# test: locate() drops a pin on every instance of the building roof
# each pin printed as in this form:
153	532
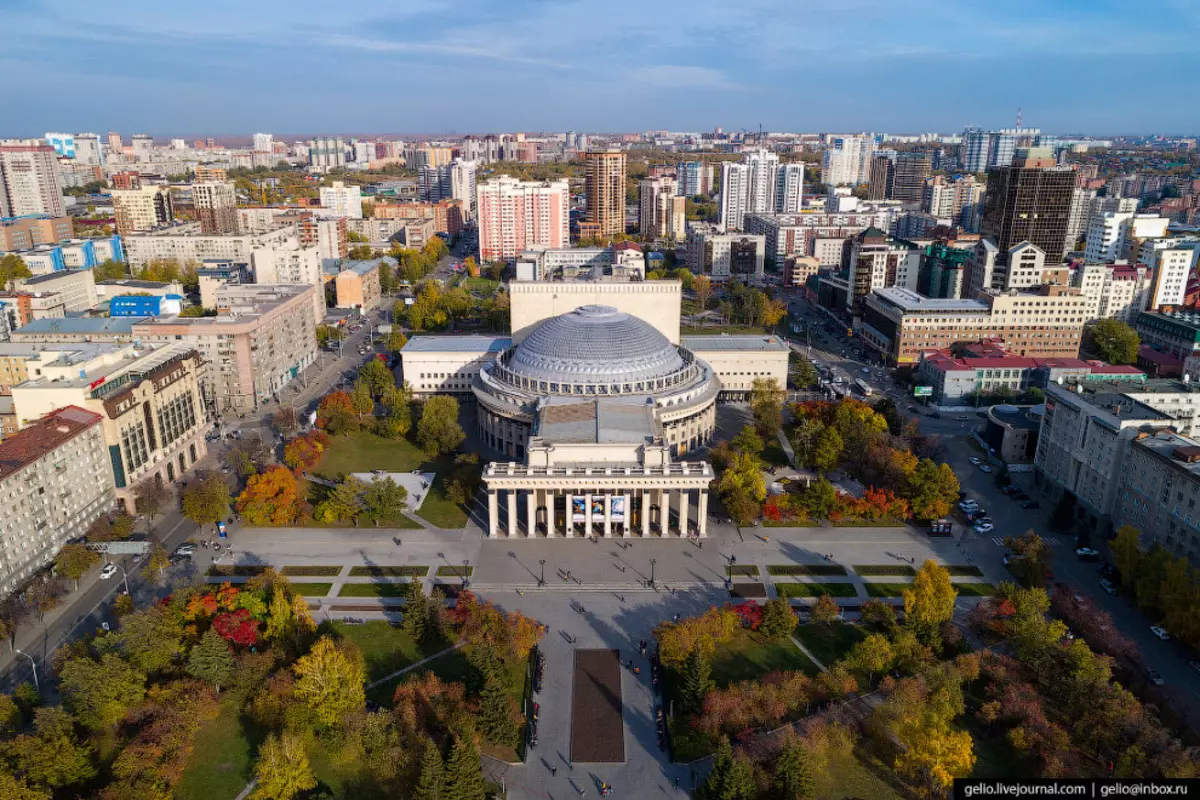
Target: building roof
134	283
607	421
50	277
908	300
1026	417
458	344
363	267
1115	369
732	342
1148	353
43	437
1180	451
81	325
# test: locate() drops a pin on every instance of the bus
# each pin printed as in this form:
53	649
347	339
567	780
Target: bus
864	387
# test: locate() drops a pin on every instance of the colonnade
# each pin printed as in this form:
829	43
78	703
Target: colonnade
636	511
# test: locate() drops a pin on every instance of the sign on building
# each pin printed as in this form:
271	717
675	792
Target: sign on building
922	391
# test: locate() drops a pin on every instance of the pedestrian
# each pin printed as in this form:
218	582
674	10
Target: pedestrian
676	781
554	771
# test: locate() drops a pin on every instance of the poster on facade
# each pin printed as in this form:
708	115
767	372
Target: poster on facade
578	509
598	508
618	509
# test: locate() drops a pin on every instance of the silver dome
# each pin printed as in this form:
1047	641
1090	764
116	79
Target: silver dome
595	344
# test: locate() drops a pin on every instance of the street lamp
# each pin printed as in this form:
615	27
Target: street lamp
653	561
466	569
542	580
33	664
124	575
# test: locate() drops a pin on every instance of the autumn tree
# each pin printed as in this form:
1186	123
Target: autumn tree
247	456
12	269
283	770
932	490
778	619
396	340
343	502
151	496
286	421
74	560
748	441
52	757
1114	341
704	633
329	680
211	660
361	399
825	611
151	640
741	488
871	656
1127	553
336	414
269	498
438	430
384	499
206	501
99	693
157	563
1030	558
697	681
702	286
827	450
766	404
930	601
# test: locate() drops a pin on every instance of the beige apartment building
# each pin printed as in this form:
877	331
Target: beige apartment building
23	361
358	285
216	206
142	209
605	191
1159	491
261	339
54	482
185	243
1047	323
25	233
151	405
209	174
76	287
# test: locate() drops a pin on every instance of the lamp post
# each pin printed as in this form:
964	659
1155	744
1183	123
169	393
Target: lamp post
466	572
542	579
653	561
124	575
32	664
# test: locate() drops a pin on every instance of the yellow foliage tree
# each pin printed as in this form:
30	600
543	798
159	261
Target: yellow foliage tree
676	640
930	601
330	681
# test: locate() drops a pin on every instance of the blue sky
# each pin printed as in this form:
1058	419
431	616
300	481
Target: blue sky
288	66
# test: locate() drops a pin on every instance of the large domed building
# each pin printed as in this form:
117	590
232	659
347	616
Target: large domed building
594	403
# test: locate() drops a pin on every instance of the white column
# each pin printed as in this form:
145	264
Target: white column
702	514
683	512
512	512
587	514
493	513
608	516
549	495
570	526
628	524
664	510
645	513
531	513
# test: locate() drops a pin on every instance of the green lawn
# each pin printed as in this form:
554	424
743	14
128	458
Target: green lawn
829	642
773	455
311	589
975	589
484	286
385	571
855	778
964	570
311	572
222	760
362	452
372	590
816	589
742	569
885	569
805	569
887	589
385	648
750	655
454	571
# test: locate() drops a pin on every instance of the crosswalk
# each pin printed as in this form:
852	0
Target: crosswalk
1054	541
996	540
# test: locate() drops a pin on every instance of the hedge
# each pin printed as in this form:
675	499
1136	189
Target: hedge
805	569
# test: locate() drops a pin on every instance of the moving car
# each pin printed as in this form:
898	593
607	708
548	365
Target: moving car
1107	586
985	468
962	418
108	571
984	527
1160	632
976	460
185	550
1087	554
1031	504
1154	676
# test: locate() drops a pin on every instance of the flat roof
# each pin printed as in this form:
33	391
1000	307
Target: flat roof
733	342
1173	448
52	276
458	344
909	300
135	283
42	437
82	325
605	421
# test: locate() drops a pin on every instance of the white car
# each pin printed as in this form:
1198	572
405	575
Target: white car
984	468
1160	632
108	571
1154	676
984	527
976	460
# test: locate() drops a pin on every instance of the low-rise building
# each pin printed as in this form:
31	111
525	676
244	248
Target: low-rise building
55	480
357	283
447	215
260	340
1174	332
26	233
107	290
75	329
72	254
1159	491
961	380
76	287
725	256
1012	432
798	269
151	405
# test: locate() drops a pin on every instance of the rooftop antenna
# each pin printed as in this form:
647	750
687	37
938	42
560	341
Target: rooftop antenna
1018	119
760	133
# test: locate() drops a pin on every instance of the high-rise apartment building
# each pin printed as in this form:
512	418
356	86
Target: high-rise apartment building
326	153
1082	201
263	143
1116	235
142	209
27	232
290	264
661	212
909	173
876	260
517	215
63	144
605	191
341	200
789	188
55	480
959	200
759	185
88	151
1029	201
30	182
453	181
879	179
694	178
216	206
143	147
982	150
847	160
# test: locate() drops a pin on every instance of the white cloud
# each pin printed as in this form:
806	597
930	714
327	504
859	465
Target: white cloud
432	48
678	76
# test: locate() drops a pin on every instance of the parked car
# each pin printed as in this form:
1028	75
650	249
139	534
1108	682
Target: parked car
108	571
1107	586
984	527
1087	554
185	550
962	418
1031	504
1160	632
976	460
985	468
1154	676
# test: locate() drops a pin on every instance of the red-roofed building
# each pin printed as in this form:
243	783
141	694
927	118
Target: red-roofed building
1158	364
55	480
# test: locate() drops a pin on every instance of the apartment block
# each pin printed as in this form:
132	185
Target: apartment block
1176	333
143	209
447	215
357	284
340	200
847	160
76	287
694	178
184	244
604	189
876	260
960	200
661	211
55	481
292	265
261	339
517	215
24	233
1159	490
1029	201
1115	291
216	206
30	181
207	173
802	234
724	255
151	406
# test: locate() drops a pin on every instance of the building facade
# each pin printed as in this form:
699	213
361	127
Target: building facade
216	207
517	215
725	255
1029	201
30	181
661	211
24	233
1159	491
605	190
340	200
142	209
357	284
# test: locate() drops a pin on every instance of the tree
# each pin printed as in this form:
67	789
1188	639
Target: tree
827	450
344	501
930	601
825	611
360	397
416	610
329	333
1127	553
871	655
795	777
286	422
269	498
330	681
74	560
110	529
151	640
438	430
707	632
702	286
52	757
729	779
471	266
766	404
498	714
1030	559
14	788
206	502
237	626
697	681
464	772
99	693
304	452
110	271
44	596
377	377
431	776
247	456
385	499
741	487
283	770
748	441
1115	342
336	414
211	660
932	490
158	562
396	340
12	268
778	619
150	496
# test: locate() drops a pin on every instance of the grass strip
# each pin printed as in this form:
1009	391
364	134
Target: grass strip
885	569
311	572
372	590
805	569
454	572
742	569
887	589
375	571
962	570
236	570
975	589
816	589
311	589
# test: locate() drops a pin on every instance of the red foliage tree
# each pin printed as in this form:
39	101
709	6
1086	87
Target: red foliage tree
751	614
303	452
237	627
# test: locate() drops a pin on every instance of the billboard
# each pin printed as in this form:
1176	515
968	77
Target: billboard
578	509
922	391
618	508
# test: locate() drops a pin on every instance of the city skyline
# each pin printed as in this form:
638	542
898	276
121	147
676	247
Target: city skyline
225	69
